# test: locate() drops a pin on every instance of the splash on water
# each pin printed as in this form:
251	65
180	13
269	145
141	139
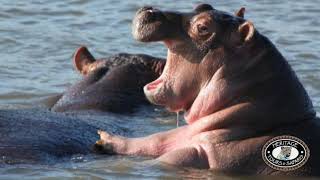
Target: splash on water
178	118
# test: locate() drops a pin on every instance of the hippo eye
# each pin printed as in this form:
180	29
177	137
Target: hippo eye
202	29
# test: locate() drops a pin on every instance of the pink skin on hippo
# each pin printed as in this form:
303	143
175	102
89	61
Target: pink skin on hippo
236	88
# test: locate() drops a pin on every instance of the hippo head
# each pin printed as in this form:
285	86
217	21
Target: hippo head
111	84
199	44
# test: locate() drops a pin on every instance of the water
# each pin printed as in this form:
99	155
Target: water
38	38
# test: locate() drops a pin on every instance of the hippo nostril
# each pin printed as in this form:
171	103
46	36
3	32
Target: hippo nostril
145	8
150	15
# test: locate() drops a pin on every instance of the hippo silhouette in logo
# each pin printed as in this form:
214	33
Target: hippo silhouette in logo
284	153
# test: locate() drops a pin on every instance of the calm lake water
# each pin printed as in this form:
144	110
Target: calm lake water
38	38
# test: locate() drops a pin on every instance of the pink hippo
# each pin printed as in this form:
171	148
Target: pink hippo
235	87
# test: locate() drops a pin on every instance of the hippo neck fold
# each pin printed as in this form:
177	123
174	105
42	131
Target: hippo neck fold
259	78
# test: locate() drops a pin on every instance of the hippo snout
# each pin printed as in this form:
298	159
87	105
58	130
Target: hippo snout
151	24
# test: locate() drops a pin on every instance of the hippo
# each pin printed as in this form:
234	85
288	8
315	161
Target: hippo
236	89
113	84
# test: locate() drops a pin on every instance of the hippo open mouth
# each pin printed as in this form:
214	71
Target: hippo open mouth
189	38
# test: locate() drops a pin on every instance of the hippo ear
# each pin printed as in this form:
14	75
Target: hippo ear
246	31
82	58
240	12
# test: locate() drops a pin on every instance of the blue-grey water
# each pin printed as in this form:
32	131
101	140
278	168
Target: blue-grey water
38	38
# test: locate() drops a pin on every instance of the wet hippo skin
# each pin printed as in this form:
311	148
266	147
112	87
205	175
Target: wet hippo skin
114	84
235	87
37	136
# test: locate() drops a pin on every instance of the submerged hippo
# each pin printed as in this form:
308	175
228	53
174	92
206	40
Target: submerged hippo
114	84
235	87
